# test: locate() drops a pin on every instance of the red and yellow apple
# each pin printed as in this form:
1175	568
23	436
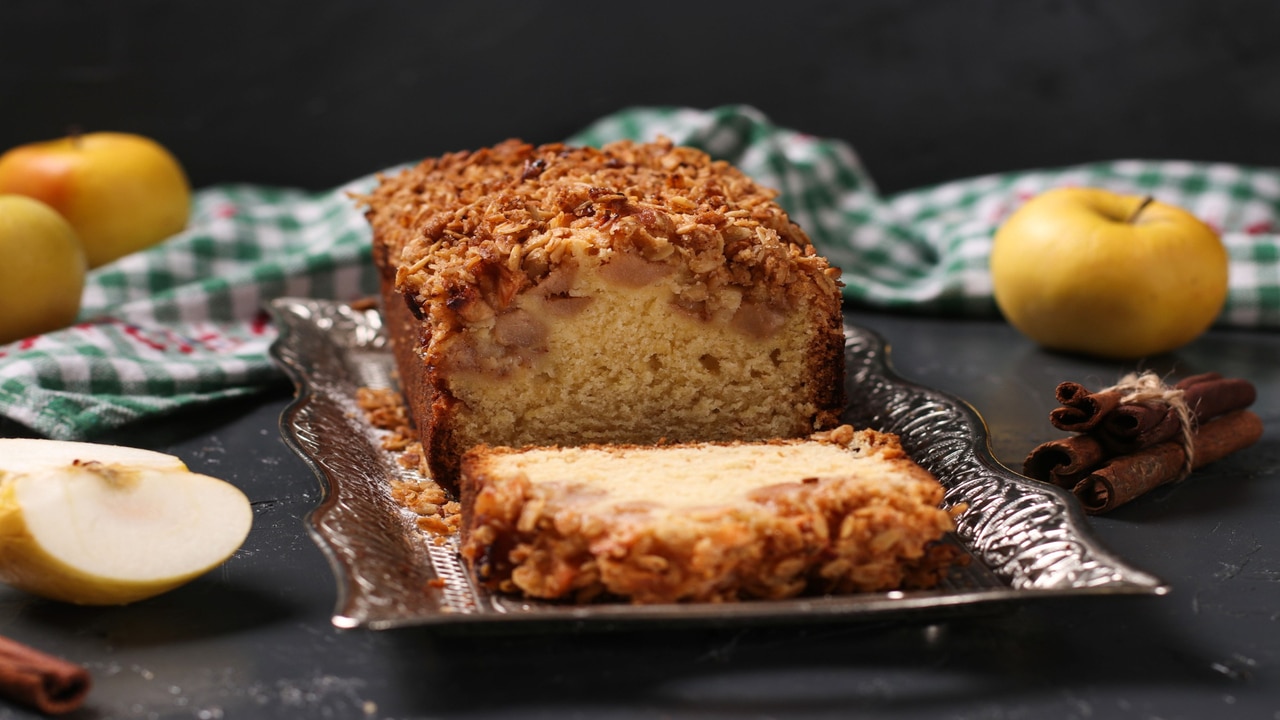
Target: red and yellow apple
121	192
1094	272
42	270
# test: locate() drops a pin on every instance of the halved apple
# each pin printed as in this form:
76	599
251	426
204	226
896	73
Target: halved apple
100	524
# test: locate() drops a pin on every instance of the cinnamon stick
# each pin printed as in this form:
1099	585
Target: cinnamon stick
49	684
1137	425
1081	409
1127	477
1065	461
1133	426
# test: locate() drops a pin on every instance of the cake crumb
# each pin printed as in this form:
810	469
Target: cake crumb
384	409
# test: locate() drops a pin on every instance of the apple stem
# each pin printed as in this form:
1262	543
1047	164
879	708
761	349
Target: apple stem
1141	206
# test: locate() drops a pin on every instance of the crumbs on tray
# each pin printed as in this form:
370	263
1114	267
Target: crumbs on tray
437	513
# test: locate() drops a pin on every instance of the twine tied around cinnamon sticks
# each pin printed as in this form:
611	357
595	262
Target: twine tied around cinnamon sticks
1140	434
1147	387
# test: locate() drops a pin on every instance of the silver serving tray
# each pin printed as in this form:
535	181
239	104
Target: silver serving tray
1026	539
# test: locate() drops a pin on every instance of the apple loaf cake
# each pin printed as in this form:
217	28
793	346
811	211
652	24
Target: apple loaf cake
841	511
629	294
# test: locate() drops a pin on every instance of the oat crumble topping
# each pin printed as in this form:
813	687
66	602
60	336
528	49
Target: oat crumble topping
494	222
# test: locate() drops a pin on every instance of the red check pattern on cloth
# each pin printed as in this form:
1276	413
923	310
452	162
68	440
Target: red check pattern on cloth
181	324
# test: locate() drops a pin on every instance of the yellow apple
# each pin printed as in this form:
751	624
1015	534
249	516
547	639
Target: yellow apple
1090	271
98	524
121	192
42	267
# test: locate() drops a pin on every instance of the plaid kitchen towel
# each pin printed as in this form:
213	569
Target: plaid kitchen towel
926	250
182	323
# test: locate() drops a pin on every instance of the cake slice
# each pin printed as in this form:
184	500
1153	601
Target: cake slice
840	512
557	295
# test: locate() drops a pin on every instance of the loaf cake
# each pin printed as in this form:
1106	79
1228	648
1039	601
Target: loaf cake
630	294
841	511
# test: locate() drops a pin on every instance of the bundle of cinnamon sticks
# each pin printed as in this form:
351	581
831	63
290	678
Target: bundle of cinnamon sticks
1128	442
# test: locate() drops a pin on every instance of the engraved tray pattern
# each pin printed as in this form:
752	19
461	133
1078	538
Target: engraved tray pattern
1026	539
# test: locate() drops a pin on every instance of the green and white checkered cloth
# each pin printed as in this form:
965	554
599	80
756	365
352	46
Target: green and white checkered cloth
182	324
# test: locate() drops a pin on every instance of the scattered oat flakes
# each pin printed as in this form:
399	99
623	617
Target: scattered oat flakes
385	410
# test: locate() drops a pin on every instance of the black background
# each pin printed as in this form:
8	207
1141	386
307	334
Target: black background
313	94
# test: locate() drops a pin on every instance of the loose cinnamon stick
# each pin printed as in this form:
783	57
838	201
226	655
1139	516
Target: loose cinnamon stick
49	684
1127	477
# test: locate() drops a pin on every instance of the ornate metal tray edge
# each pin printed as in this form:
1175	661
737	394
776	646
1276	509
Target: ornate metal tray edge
1032	534
1029	539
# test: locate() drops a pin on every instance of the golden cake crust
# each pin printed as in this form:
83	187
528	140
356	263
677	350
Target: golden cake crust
867	531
